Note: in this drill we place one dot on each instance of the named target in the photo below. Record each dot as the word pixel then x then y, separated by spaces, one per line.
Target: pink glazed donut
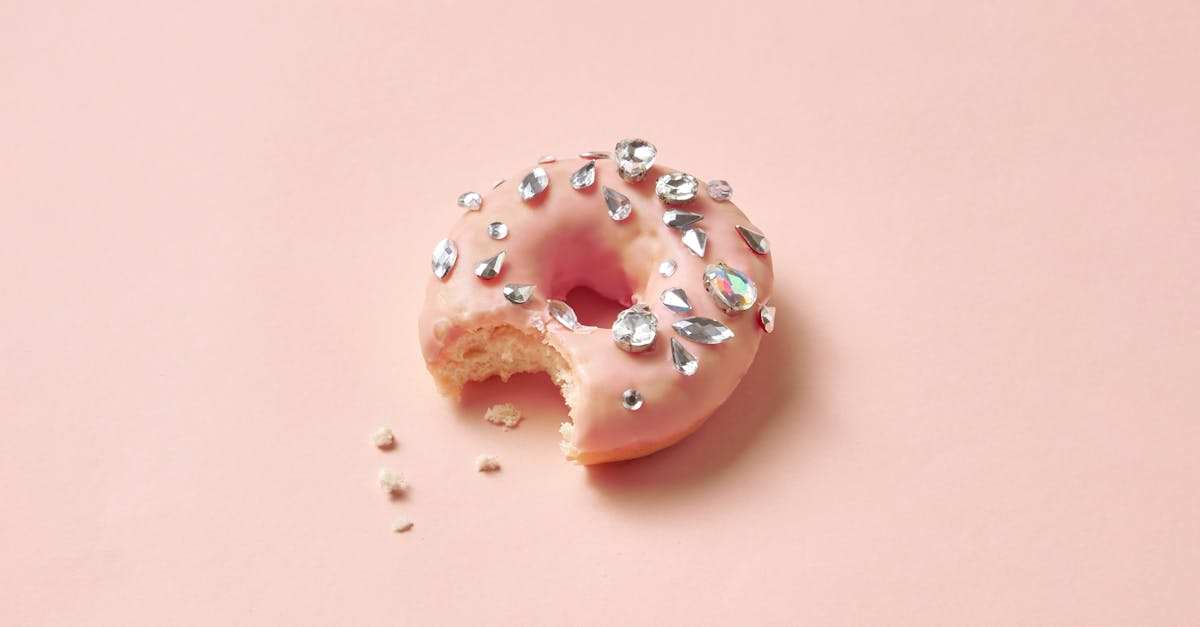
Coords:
pixel 693 271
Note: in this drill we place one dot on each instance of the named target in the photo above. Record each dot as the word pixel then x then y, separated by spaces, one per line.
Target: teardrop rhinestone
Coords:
pixel 635 329
pixel 685 363
pixel 497 230
pixel 594 154
pixel 634 158
pixel 676 300
pixel 766 316
pixel 676 188
pixel 490 267
pixel 696 240
pixel 547 159
pixel 719 190
pixel 619 206
pixel 563 313
pixel 631 399
pixel 681 220
pixel 471 201
pixel 732 290
pixel 445 254
pixel 533 184
pixel 703 330
pixel 518 294
pixel 756 241
pixel 585 176
pixel 666 268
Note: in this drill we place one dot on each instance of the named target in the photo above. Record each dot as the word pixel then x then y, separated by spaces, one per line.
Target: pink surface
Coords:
pixel 980 405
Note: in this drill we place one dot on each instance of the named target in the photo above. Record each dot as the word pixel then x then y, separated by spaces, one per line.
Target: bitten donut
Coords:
pixel 694 273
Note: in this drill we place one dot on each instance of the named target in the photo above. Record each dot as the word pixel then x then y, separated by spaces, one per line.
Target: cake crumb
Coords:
pixel 383 438
pixel 505 415
pixel 392 482
pixel 487 463
pixel 402 525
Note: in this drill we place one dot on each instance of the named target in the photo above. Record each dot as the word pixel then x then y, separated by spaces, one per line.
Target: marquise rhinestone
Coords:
pixel 635 329
pixel 732 290
pixel 471 201
pixel 517 293
pixel 634 158
pixel 497 230
pixel 631 399
pixel 696 240
pixel 676 300
pixel 680 220
pixel 756 241
pixel 703 330
pixel 547 159
pixel 445 254
pixel 619 206
pixel 489 268
pixel 563 313
pixel 676 188
pixel 533 184
pixel 719 190
pixel 685 363
pixel 585 176
pixel 766 317
pixel 594 154
pixel 667 268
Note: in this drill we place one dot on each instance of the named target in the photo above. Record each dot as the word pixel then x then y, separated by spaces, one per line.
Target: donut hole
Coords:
pixel 593 308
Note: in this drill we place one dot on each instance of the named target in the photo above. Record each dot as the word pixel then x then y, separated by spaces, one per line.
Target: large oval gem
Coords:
pixel 729 288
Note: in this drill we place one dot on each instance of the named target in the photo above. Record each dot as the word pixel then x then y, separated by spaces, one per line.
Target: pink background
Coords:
pixel 981 405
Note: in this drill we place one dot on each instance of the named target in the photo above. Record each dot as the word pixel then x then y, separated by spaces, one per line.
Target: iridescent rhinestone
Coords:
pixel 585 176
pixel 676 300
pixel 666 268
pixel 533 184
pixel 703 330
pixel 490 267
pixel 680 220
pixel 497 183
pixel 676 188
pixel 631 399
pixel 517 293
pixel 497 230
pixel 444 256
pixel 635 329
pixel 619 206
pixel 547 159
pixel 592 154
pixel 696 240
pixel 719 190
pixel 563 313
pixel 634 158
pixel 756 241
pixel 685 363
pixel 766 316
pixel 732 290
pixel 470 201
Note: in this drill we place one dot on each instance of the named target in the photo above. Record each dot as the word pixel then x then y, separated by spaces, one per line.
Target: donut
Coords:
pixel 692 271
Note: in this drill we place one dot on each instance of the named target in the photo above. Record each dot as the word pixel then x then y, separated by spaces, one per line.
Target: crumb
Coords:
pixel 506 415
pixel 383 438
pixel 402 525
pixel 392 482
pixel 487 463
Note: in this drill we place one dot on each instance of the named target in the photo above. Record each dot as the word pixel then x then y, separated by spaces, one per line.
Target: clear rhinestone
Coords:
pixel 533 184
pixel 634 158
pixel 497 230
pixel 667 268
pixel 585 176
pixel 517 293
pixel 676 188
pixel 635 329
pixel 547 159
pixel 696 240
pixel 444 256
pixel 684 362
pixel 619 206
pixel 563 313
pixel 497 183
pixel 490 267
pixel 766 316
pixel 730 289
pixel 680 220
pixel 470 201
pixel 592 154
pixel 703 330
pixel 676 300
pixel 719 190
pixel 631 399
pixel 756 241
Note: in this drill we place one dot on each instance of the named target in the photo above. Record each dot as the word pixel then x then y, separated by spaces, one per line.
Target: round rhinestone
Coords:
pixel 666 268
pixel 719 190
pixel 497 230
pixel 635 329
pixel 470 201
pixel 634 158
pixel 631 399
pixel 676 188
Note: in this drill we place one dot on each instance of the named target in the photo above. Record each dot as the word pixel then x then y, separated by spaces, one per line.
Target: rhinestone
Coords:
pixel 676 188
pixel 676 300
pixel 585 176
pixel 533 184
pixel 490 267
pixel 696 240
pixel 631 399
pixel 444 256
pixel 517 293
pixel 703 330
pixel 635 329
pixel 497 183
pixel 766 316
pixel 756 241
pixel 619 206
pixel 681 220
pixel 497 230
pixel 730 289
pixel 471 201
pixel 547 159
pixel 634 158
pixel 667 268
pixel 719 190
pixel 592 154
pixel 684 362
pixel 563 313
